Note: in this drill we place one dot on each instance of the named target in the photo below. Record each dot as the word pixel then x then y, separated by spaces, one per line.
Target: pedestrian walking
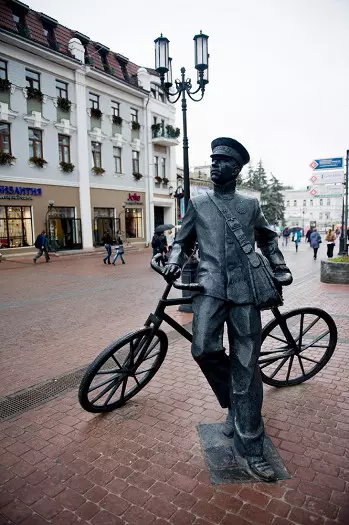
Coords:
pixel 331 242
pixel 296 238
pixel 41 244
pixel 107 240
pixel 307 235
pixel 285 236
pixel 159 245
pixel 119 248
pixel 315 240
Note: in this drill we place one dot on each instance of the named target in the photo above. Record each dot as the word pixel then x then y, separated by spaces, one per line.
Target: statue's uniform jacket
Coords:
pixel 223 266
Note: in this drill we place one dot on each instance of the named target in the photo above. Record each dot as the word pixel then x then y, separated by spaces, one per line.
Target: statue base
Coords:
pixel 225 466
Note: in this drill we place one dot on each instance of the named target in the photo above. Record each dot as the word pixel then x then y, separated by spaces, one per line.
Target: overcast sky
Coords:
pixel 279 70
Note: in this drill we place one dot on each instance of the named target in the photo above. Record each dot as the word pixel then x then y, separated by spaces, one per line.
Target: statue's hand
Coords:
pixel 171 272
pixel 283 276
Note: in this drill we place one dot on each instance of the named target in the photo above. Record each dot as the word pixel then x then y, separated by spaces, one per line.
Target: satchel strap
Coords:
pixel 234 226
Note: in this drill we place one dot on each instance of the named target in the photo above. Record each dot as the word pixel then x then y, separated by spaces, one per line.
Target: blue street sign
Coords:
pixel 327 164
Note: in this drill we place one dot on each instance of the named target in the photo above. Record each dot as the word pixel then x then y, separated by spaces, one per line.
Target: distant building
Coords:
pixel 301 209
pixel 87 140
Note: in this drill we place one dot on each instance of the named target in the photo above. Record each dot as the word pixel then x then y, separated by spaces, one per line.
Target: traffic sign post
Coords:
pixel 327 164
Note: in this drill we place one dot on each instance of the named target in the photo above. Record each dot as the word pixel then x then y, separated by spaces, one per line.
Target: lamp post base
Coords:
pixel 189 274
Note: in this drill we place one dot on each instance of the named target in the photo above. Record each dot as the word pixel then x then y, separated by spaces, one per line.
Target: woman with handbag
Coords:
pixel 331 242
pixel 315 240
pixel 119 249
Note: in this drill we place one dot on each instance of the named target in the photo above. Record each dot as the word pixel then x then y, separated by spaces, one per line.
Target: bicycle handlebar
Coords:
pixel 194 287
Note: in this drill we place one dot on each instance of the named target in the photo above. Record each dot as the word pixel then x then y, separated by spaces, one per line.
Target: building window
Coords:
pixel 61 89
pixel 327 215
pixel 115 106
pixel 50 36
pixel 35 143
pixel 97 154
pixel 134 115
pixel 64 148
pixel 15 226
pixel 93 101
pixel 134 222
pixel 321 202
pixel 3 69
pixel 304 202
pixel 117 159
pixel 32 79
pixel 320 215
pixel 311 202
pixel 328 202
pixel 18 17
pixel 5 138
pixel 135 161
pixel 287 203
pixel 294 203
pixel 156 166
pixel 163 167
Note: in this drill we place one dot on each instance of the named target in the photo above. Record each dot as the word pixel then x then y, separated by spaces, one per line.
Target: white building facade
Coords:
pixel 304 210
pixel 87 140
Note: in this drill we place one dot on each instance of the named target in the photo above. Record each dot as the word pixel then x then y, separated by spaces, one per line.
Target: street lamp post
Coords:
pixel 184 87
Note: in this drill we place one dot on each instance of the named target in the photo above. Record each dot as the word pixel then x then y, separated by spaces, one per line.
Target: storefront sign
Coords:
pixel 19 192
pixel 134 198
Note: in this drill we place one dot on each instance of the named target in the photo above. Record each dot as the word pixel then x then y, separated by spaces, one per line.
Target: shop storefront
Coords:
pixel 25 211
pixel 114 210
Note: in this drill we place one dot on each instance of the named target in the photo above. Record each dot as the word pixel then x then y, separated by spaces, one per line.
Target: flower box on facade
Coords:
pixel 98 171
pixel 6 159
pixel 96 113
pixel 137 176
pixel 38 161
pixel 64 104
pixel 67 167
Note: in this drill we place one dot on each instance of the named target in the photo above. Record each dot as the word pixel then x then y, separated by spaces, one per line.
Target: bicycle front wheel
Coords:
pixel 122 370
pixel 285 362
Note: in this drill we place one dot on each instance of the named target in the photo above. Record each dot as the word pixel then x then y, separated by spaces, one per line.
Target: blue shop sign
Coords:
pixel 19 192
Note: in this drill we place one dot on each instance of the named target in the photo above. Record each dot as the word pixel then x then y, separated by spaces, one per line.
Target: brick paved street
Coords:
pixel 142 464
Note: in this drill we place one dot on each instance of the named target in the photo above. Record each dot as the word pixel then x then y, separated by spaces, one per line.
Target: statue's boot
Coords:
pixel 228 429
pixel 260 466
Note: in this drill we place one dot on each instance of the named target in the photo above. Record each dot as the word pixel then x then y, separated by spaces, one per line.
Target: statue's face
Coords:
pixel 224 170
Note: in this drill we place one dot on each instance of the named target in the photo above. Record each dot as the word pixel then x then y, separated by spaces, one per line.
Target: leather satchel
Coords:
pixel 265 290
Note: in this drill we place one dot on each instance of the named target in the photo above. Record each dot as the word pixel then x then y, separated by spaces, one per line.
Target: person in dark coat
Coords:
pixel 315 241
pixel 159 245
pixel 228 298
pixel 108 241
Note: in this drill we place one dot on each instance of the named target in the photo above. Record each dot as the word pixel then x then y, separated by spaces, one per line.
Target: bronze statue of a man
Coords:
pixel 228 297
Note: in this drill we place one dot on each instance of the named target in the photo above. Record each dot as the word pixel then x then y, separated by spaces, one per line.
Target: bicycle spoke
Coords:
pixel 289 368
pixel 101 394
pixel 313 323
pixel 300 331
pixel 142 372
pixel 278 339
pixel 308 359
pixel 109 371
pixel 301 365
pixel 116 361
pixel 102 384
pixel 275 351
pixel 316 340
pixel 122 395
pixel 269 360
pixel 135 378
pixel 151 356
pixel 279 367
pixel 112 393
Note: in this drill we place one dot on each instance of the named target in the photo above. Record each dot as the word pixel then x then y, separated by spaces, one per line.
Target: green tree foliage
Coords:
pixel 271 192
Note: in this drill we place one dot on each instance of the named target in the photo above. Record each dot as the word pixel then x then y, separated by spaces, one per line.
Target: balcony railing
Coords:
pixel 167 136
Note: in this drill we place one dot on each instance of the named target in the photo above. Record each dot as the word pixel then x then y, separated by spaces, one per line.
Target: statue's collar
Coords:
pixel 226 191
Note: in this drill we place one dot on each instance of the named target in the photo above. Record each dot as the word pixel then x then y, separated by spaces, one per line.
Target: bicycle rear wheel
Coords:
pixel 122 370
pixel 285 362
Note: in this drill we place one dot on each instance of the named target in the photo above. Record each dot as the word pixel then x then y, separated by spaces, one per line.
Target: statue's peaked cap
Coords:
pixel 227 147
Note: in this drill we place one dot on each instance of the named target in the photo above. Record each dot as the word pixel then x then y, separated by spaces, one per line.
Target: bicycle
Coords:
pixel 130 362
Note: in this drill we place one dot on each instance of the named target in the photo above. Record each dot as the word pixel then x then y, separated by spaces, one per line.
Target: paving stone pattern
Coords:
pixel 143 464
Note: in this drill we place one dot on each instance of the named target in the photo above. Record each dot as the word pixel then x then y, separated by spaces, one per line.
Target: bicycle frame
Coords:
pixel 159 315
